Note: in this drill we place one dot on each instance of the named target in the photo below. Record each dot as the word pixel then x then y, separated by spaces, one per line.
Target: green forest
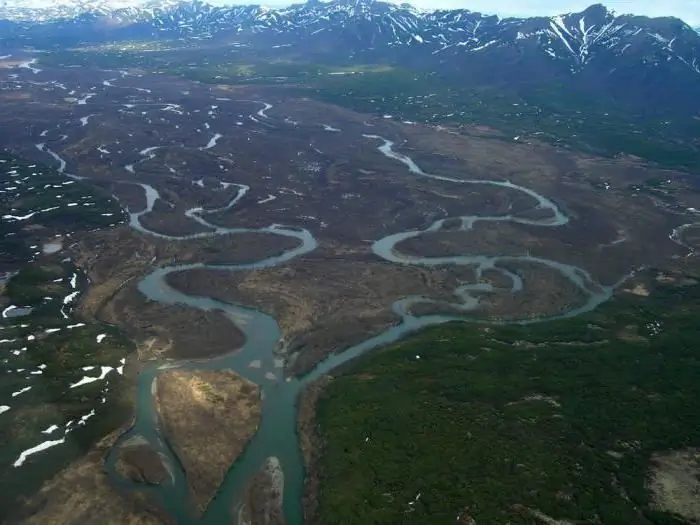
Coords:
pixel 516 424
pixel 49 348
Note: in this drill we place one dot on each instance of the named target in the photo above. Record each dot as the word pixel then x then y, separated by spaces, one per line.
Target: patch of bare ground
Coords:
pixel 511 239
pixel 131 196
pixel 481 131
pixel 568 244
pixel 112 256
pixel 541 517
pixel 170 331
pixel 601 215
pixel 683 270
pixel 207 417
pixel 263 497
pixel 241 248
pixel 113 260
pixel 82 494
pixel 638 289
pixel 631 333
pixel 665 279
pixel 320 186
pixel 141 464
pixel 169 221
pixel 644 284
pixel 674 483
pixel 537 397
pixel 465 518
pixel 322 306
pixel 118 259
pixel 311 446
pixel 311 115
pixel 534 163
pixel 545 292
pixel 676 280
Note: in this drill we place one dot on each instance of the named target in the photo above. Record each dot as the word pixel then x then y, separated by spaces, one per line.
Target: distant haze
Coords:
pixel 687 10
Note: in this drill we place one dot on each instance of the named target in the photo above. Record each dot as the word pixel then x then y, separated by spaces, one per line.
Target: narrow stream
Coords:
pixel 277 434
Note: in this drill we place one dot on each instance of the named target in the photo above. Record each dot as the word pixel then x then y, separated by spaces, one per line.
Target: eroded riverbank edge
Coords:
pixel 311 445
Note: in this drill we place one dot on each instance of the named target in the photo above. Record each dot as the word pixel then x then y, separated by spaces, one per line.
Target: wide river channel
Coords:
pixel 277 434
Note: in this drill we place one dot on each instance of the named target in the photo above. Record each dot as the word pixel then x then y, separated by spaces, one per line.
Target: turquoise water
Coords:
pixel 277 434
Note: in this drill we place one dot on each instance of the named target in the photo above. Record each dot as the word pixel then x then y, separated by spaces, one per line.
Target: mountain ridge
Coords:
pixel 19 9
pixel 653 63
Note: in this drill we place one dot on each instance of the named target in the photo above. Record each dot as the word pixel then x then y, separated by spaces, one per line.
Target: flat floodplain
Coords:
pixel 280 236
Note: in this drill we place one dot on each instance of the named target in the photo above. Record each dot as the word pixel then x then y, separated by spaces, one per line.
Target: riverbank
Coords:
pixel 140 463
pixel 311 445
pixel 82 493
pixel 263 497
pixel 563 421
pixel 113 297
pixel 65 374
pixel 207 417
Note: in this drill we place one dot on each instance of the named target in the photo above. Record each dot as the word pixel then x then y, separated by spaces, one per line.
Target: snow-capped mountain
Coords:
pixel 633 56
pixel 576 38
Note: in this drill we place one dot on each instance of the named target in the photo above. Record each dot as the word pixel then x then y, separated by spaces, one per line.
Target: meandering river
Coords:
pixel 277 434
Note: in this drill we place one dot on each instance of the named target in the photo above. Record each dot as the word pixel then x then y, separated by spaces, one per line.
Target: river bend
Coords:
pixel 277 434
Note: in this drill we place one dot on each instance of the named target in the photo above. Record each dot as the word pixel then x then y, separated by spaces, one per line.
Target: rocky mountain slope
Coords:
pixel 653 63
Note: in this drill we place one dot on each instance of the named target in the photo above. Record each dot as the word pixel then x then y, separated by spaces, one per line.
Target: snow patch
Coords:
pixel 34 450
